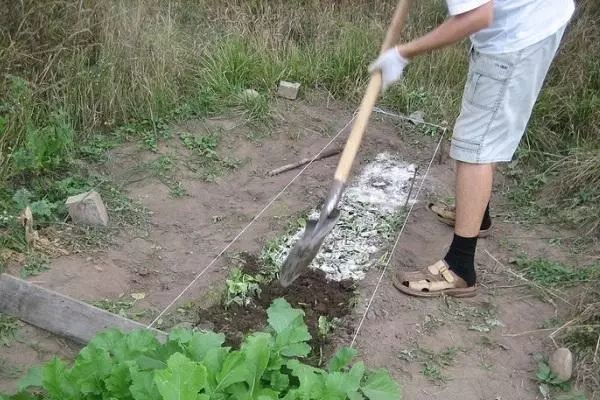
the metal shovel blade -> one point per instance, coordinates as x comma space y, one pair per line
307, 247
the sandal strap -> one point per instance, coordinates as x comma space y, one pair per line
437, 277
441, 268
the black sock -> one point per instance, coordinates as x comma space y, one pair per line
461, 258
487, 220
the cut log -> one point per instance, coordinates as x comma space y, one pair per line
60, 314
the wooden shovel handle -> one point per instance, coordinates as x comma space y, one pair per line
371, 95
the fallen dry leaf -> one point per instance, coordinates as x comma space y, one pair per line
138, 296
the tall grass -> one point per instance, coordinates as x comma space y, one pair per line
89, 67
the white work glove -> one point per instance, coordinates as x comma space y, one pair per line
391, 64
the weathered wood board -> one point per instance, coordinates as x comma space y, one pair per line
60, 314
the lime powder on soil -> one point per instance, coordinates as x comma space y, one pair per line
366, 207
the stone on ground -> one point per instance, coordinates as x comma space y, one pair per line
87, 208
561, 364
417, 117
251, 94
288, 90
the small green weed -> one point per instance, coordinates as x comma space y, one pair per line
205, 146
177, 190
408, 354
433, 373
445, 358
431, 323
270, 255
241, 288
9, 328
182, 315
96, 148
164, 168
148, 131
552, 322
436, 362
114, 306
550, 386
486, 366
389, 226
325, 326
122, 209
205, 158
35, 264
433, 363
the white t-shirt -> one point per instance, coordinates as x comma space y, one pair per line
517, 23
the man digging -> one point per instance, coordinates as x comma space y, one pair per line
513, 45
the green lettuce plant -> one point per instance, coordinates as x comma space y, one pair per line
193, 365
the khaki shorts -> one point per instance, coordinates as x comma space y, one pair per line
498, 98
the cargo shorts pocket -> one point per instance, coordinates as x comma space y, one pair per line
487, 80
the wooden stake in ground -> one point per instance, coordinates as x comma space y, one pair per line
325, 154
59, 314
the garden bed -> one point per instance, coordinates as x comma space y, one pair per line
324, 302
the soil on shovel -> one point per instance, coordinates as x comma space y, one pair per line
311, 292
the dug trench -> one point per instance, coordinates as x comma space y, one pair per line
325, 304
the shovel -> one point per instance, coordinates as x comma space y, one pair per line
307, 247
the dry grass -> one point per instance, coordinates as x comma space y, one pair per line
135, 64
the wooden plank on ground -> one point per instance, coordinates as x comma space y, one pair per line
59, 314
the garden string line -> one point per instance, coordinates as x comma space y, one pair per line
404, 117
387, 263
250, 223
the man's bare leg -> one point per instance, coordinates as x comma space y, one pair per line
473, 191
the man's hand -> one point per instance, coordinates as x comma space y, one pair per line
391, 64
393, 61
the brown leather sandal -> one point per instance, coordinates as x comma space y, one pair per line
446, 214
436, 280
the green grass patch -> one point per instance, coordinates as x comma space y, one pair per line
205, 159
552, 274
